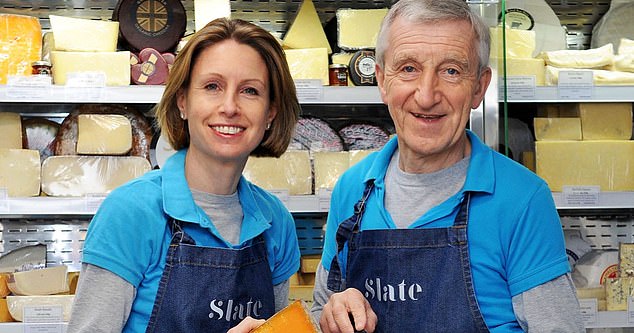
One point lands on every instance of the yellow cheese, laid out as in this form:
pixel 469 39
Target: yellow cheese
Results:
pixel 81 175
pixel 605 163
pixel 20 44
pixel 95 36
pixel 596 292
pixel 115 65
pixel 599 77
pixel 103 134
pixel 292 319
pixel 624 62
pixel 306 31
pixel 20 172
pixel 359 28
pixel 291 172
pixel 626 46
pixel 557 128
pixel 328 167
pixel 308 64
pixel 524 67
pixel 519 43
pixel 358 155
pixel 44 281
pixel 591 58
pixel 605 121
pixel 5 315
pixel 16 304
pixel 11 129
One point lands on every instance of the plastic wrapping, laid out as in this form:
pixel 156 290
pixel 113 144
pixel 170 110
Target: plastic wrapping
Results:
pixel 626 46
pixel 23 259
pixel 95 36
pixel 592 58
pixel 291 172
pixel 115 66
pixel 20 172
pixel 82 175
pixel 576 246
pixel 600 77
pixel 615 24
pixel 595 267
pixel 103 134
pixel 328 167
pixel 520 44
pixel 39 134
pixel 20 44
pixel 294 318
pixel 16 304
pixel 306 64
pixel 358 28
pixel 43 281
pixel 624 62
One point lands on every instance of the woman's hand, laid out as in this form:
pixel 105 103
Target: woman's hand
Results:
pixel 335 315
pixel 246 325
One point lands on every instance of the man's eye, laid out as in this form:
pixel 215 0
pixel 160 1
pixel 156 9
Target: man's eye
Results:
pixel 408 69
pixel 452 71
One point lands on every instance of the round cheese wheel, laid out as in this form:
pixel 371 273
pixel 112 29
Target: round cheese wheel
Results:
pixel 316 135
pixel 39 134
pixel 66 139
pixel 362 68
pixel 363 136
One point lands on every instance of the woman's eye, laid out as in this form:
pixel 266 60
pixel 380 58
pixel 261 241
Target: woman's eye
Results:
pixel 251 91
pixel 212 86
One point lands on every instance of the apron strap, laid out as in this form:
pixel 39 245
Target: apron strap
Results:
pixel 344 232
pixel 179 236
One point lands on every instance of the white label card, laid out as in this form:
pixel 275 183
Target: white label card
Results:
pixel 518 87
pixel 43 328
pixel 4 199
pixel 281 194
pixel 589 311
pixel 324 199
pixel 581 195
pixel 43 314
pixel 29 87
pixel 575 85
pixel 86 79
pixel 630 310
pixel 93 201
pixel 309 90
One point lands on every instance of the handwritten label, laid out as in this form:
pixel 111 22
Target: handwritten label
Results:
pixel 575 84
pixel 589 311
pixel 29 87
pixel 581 195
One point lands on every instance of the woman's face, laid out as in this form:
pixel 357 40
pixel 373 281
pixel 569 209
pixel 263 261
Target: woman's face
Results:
pixel 227 103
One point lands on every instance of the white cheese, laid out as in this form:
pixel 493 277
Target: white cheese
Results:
pixel 44 281
pixel 20 172
pixel 290 172
pixel 84 35
pixel 359 28
pixel 114 65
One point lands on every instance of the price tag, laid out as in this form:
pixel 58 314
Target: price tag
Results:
pixel 575 85
pixel 93 201
pixel 589 311
pixel 323 196
pixel 4 199
pixel 581 195
pixel 43 314
pixel 518 87
pixel 43 328
pixel 86 79
pixel 282 194
pixel 29 87
pixel 309 90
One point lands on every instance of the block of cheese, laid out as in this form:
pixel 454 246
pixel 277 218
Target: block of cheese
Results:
pixel 519 43
pixel 524 67
pixel 5 315
pixel 306 31
pixel 291 172
pixel 605 121
pixel 20 172
pixel 95 36
pixel 81 175
pixel 557 128
pixel 624 62
pixel 591 58
pixel 20 44
pixel 328 167
pixel 599 77
pixel 607 163
pixel 358 28
pixel 626 46
pixel 595 292
pixel 308 64
pixel 617 291
pixel 18 303
pixel 292 319
pixel 44 281
pixel 103 134
pixel 358 155
pixel 115 66
pixel 11 129
pixel 4 285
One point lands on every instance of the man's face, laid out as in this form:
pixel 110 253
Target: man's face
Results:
pixel 430 83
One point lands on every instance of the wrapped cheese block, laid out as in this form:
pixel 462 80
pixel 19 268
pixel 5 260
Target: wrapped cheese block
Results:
pixel 39 134
pixel 291 172
pixel 115 66
pixel 17 304
pixel 103 134
pixel 308 64
pixel 358 28
pixel 20 44
pixel 95 36
pixel 519 43
pixel 306 30
pixel 44 281
pixel 591 58
pixel 11 129
pixel 81 175
pixel 328 167
pixel 20 172
pixel 292 319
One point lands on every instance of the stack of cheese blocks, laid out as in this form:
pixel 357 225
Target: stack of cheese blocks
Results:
pixel 519 54
pixel 77 55
pixel 20 45
pixel 35 288
pixel 607 67
pixel 20 169
pixel 581 144
pixel 293 172
pixel 302 283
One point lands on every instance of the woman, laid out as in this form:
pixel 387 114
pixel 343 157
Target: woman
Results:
pixel 194 246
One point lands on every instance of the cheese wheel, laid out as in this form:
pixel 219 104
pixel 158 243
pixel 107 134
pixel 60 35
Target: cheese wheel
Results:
pixel 39 134
pixel 44 281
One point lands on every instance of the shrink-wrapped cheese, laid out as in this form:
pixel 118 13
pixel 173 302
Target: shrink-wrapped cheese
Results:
pixel 291 172
pixel 81 175
pixel 103 134
pixel 17 304
pixel 520 43
pixel 11 129
pixel 308 64
pixel 328 167
pixel 591 58
pixel 20 172
pixel 114 65
pixel 358 28
pixel 95 36
pixel 20 44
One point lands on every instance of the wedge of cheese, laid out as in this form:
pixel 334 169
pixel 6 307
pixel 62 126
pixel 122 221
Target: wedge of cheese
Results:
pixel 519 43
pixel 591 58
pixel 103 134
pixel 306 31
pixel 20 172
pixel 114 65
pixel 606 163
pixel 291 172
pixel 20 44
pixel 95 36
pixel 11 129
pixel 81 175
pixel 308 64
pixel 359 28
pixel 292 319
pixel 557 128
pixel 44 281
pixel 17 304
pixel 605 121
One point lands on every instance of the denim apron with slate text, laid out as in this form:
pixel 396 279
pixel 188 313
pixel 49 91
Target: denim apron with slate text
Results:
pixel 416 280
pixel 205 289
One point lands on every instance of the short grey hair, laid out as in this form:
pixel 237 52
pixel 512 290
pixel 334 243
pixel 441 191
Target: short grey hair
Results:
pixel 430 11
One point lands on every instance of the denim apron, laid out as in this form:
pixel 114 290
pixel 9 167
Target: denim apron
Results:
pixel 205 289
pixel 416 280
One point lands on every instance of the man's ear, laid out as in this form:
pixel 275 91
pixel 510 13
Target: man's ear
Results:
pixel 481 88
pixel 380 76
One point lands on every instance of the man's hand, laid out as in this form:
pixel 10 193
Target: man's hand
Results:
pixel 335 315
pixel 246 325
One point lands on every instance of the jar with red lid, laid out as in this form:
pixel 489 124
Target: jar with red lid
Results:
pixel 338 75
